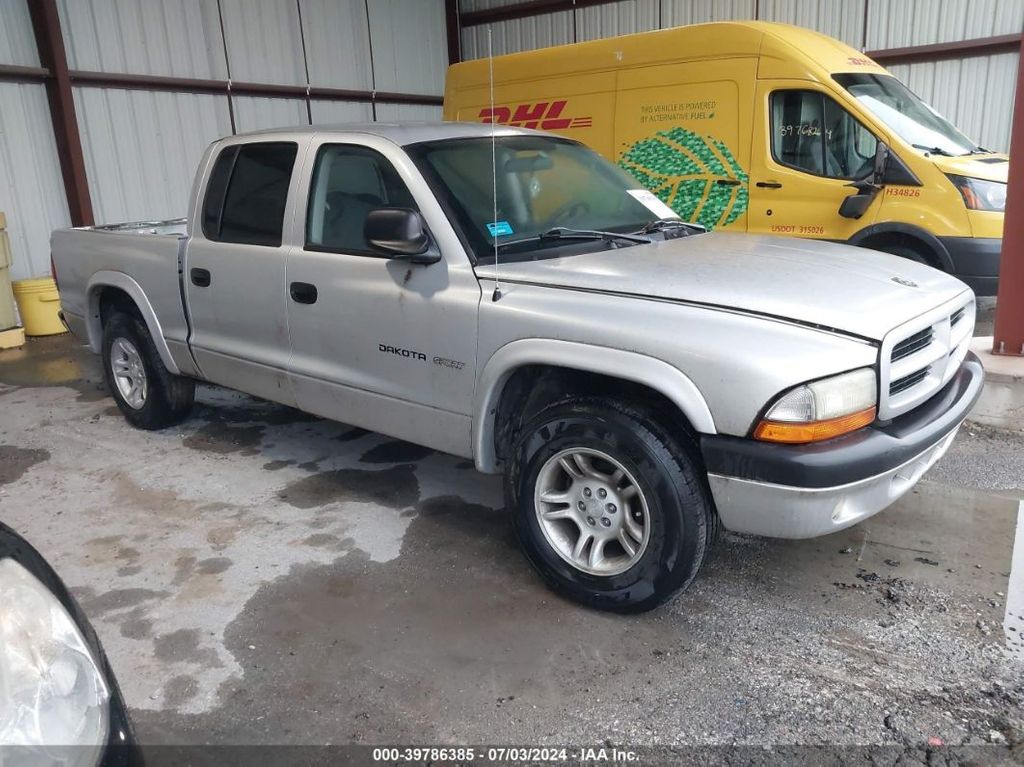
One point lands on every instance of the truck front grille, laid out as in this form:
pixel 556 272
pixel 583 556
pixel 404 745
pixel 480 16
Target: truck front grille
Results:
pixel 919 358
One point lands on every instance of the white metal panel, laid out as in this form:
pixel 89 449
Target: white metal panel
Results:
pixel 519 35
pixel 613 19
pixel 410 45
pixel 178 38
pixel 898 23
pixel 975 94
pixel 841 19
pixel 677 12
pixel 338 43
pixel 333 112
pixel 142 148
pixel 260 112
pixel 408 112
pixel 31 188
pixel 481 5
pixel 17 42
pixel 264 41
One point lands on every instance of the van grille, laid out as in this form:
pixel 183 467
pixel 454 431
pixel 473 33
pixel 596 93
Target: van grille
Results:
pixel 920 357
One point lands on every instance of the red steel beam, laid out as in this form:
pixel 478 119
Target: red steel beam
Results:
pixel 980 46
pixel 50 43
pixel 1008 337
pixel 453 28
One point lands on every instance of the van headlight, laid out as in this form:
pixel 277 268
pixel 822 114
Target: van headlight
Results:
pixel 821 409
pixel 52 691
pixel 979 194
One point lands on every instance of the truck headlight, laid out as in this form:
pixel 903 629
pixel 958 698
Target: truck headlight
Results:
pixel 52 691
pixel 821 409
pixel 979 194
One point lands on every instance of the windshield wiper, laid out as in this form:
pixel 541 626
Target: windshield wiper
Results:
pixel 661 224
pixel 561 233
pixel 933 150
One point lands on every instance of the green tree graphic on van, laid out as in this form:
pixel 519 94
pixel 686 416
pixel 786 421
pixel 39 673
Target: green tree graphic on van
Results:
pixel 695 175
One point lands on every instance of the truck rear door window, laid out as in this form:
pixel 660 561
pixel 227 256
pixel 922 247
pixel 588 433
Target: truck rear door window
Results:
pixel 247 194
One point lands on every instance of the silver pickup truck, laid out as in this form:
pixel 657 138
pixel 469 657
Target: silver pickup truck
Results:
pixel 513 298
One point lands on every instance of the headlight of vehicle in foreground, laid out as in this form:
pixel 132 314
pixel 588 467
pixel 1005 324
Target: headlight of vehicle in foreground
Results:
pixel 979 194
pixel 52 692
pixel 822 409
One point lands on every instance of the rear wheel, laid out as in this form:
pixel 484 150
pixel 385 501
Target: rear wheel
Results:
pixel 608 507
pixel 904 251
pixel 146 392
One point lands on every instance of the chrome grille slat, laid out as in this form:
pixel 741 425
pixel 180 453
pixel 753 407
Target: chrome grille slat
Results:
pixel 920 357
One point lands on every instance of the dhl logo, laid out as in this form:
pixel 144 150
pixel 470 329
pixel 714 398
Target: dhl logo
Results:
pixel 546 115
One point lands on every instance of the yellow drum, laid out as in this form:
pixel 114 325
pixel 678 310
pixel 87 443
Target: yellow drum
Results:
pixel 38 304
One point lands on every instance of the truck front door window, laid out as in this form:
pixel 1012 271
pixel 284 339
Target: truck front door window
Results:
pixel 812 133
pixel 249 186
pixel 349 182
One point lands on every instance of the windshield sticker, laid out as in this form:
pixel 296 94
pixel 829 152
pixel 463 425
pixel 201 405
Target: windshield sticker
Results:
pixel 499 228
pixel 650 201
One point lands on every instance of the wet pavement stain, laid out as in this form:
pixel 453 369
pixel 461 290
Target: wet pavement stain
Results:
pixel 223 438
pixel 277 465
pixel 180 690
pixel 15 461
pixel 135 624
pixel 55 361
pixel 394 488
pixel 352 434
pixel 183 646
pixel 96 605
pixel 396 451
pixel 213 565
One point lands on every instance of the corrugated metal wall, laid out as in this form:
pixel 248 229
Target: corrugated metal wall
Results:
pixel 141 147
pixel 976 93
pixel 31 189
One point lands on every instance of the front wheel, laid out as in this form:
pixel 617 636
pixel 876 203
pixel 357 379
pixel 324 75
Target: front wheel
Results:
pixel 146 392
pixel 608 507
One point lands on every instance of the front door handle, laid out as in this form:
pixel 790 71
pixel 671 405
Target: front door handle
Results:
pixel 200 277
pixel 769 184
pixel 303 292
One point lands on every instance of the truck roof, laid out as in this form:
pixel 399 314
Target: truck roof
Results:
pixel 402 134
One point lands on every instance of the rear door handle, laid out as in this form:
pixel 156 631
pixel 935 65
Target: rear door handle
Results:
pixel 303 292
pixel 769 184
pixel 200 277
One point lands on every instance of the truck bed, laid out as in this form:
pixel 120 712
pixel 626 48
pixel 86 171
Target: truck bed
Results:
pixel 142 258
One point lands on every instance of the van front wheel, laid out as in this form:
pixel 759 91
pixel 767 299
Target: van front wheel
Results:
pixel 608 507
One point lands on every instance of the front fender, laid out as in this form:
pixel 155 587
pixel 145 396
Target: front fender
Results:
pixel 120 280
pixel 629 366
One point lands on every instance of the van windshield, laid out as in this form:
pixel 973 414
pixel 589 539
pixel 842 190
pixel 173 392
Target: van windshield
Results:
pixel 909 117
pixel 542 183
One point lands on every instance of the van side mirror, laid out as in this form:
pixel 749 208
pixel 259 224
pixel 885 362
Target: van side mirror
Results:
pixel 857 204
pixel 401 233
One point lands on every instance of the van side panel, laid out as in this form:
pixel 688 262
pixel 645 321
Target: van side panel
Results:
pixel 683 130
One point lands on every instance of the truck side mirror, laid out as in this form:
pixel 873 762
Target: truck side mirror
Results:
pixel 855 205
pixel 868 187
pixel 401 233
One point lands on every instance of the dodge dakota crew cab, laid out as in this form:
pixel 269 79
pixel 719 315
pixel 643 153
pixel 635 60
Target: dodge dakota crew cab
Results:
pixel 510 296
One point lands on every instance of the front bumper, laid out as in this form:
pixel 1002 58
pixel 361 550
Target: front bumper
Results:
pixel 803 491
pixel 975 261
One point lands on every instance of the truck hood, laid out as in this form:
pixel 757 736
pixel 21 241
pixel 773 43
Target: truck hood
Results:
pixel 839 287
pixel 990 167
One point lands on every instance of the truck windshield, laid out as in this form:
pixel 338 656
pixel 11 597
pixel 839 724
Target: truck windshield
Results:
pixel 543 183
pixel 909 117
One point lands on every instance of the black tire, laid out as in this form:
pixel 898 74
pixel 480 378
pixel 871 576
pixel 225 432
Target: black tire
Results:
pixel 168 399
pixel 682 518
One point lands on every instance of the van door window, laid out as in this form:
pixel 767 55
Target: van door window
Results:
pixel 812 133
pixel 348 182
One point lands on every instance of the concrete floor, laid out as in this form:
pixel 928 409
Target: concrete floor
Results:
pixel 259 576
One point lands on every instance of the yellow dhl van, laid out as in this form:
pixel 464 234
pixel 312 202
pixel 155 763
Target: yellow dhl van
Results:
pixel 762 127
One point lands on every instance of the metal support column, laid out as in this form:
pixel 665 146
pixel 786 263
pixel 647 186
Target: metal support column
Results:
pixel 50 42
pixel 1008 337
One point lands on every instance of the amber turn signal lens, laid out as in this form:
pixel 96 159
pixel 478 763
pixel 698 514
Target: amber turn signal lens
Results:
pixel 815 431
